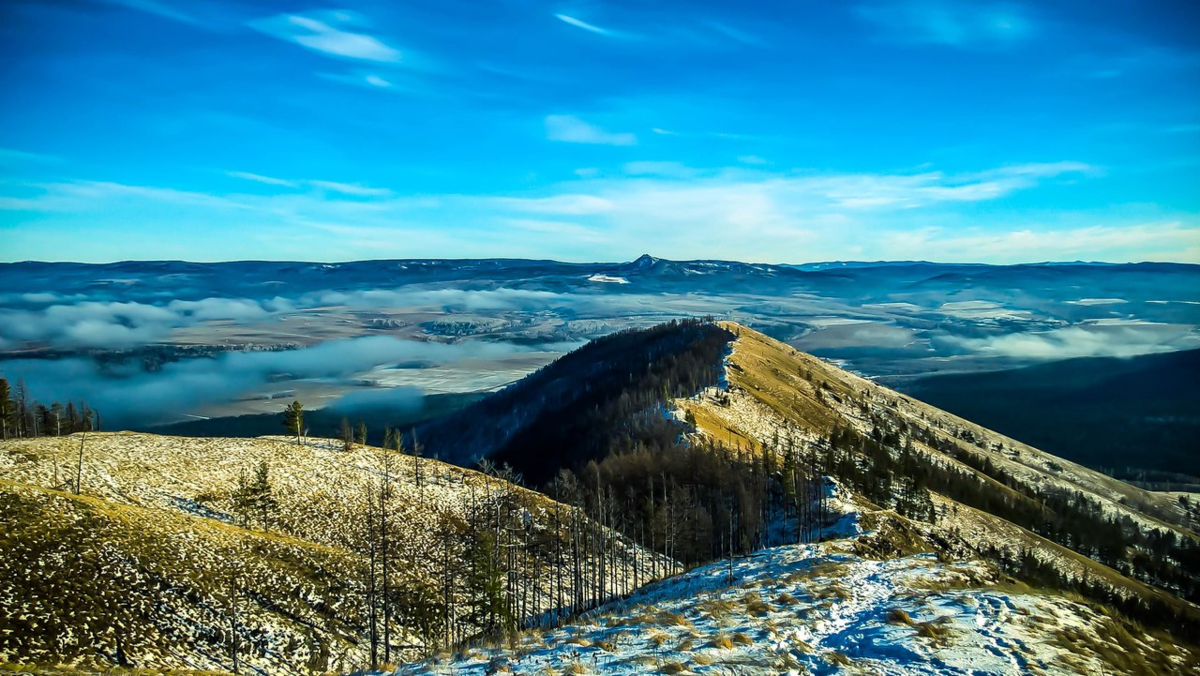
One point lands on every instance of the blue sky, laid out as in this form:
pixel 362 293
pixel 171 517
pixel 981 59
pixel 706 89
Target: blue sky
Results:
pixel 598 130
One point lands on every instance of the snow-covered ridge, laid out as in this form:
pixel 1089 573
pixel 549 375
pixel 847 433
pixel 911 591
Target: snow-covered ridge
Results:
pixel 823 608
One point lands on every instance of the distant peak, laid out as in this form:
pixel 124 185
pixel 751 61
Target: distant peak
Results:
pixel 645 261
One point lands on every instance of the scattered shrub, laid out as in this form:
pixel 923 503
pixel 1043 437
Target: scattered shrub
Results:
pixel 722 642
pixel 899 616
pixel 837 658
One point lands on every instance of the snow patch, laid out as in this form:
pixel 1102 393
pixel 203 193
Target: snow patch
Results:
pixel 608 279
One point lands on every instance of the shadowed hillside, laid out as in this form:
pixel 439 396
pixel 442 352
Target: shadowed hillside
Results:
pixel 603 398
pixel 1104 409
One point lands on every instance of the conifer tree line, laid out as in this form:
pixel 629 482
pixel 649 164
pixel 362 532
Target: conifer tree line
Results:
pixel 1067 517
pixel 509 562
pixel 22 416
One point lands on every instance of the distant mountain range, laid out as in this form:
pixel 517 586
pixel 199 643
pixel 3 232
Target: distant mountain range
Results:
pixel 256 279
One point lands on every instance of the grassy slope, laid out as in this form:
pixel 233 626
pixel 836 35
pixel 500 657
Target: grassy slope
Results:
pixel 786 381
pixel 322 490
pixel 772 382
pixel 154 520
pixel 81 574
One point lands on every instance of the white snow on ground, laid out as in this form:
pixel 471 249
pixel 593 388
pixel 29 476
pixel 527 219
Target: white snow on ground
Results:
pixel 807 609
pixel 1097 301
pixel 608 279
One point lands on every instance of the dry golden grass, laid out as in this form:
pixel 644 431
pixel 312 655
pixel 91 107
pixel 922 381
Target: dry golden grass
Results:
pixel 671 619
pixel 78 670
pixel 672 668
pixel 931 630
pixel 773 373
pixel 715 608
pixel 742 639
pixel 722 641
pixel 709 423
pixel 837 658
pixel 755 604
pixel 899 616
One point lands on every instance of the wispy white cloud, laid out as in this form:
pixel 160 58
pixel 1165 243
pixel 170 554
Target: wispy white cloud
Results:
pixel 753 214
pixel 659 168
pixel 559 228
pixel 571 129
pixel 869 191
pixel 333 34
pixel 591 28
pixel 957 24
pixel 1138 60
pixel 742 212
pixel 259 178
pixel 83 195
pixel 352 189
pixel 736 34
pixel 160 9
pixel 1183 129
pixel 1156 240
pixel 1081 341
pixel 377 82
pixel 10 156
pixel 564 205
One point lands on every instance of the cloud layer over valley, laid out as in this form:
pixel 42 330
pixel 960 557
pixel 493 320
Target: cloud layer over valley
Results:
pixel 152 342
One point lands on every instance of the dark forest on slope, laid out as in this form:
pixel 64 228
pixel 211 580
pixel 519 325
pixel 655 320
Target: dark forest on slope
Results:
pixel 608 396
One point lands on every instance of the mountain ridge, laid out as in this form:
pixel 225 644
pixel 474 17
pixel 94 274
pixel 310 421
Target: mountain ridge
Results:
pixel 705 441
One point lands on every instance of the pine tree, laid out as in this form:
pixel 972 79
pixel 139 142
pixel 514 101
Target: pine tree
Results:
pixel 72 418
pixel 486 579
pixel 347 436
pixel 56 416
pixel 7 408
pixel 293 419
pixel 254 498
pixel 242 499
